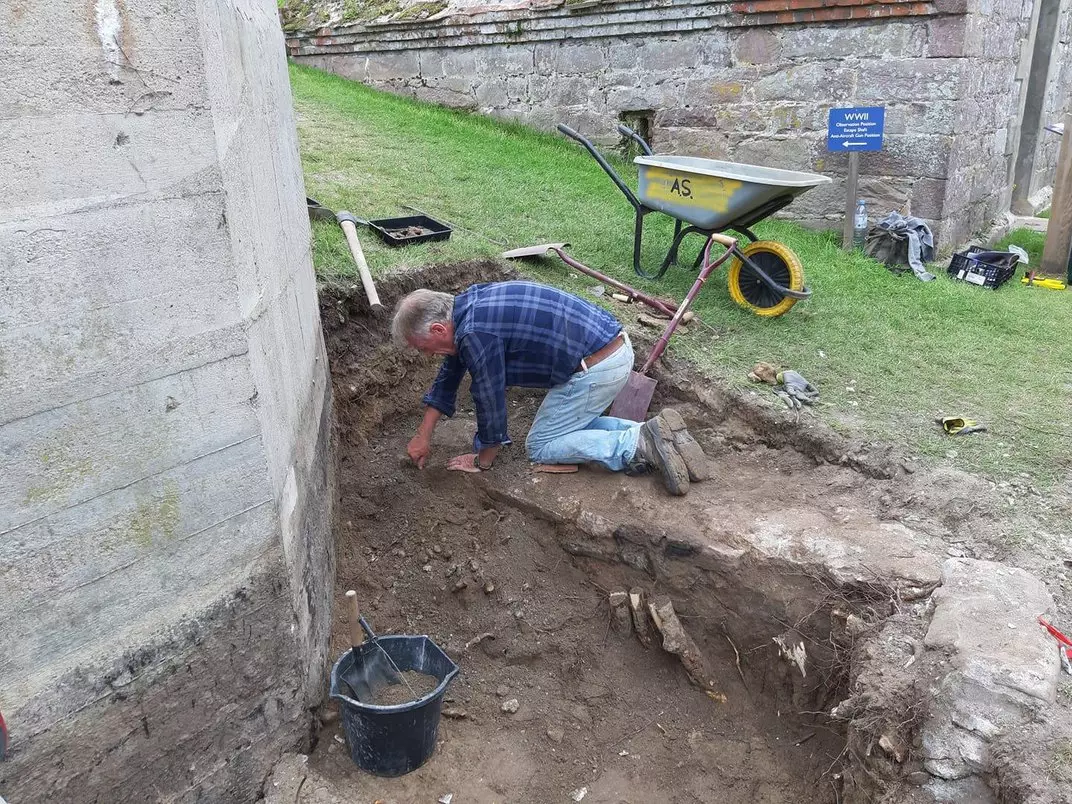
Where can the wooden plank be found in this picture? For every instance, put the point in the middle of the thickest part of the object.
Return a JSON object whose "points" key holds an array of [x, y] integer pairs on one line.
{"points": [[850, 200], [1055, 260]]}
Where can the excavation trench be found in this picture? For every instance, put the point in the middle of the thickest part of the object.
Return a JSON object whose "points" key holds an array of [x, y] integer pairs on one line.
{"points": [[772, 567]]}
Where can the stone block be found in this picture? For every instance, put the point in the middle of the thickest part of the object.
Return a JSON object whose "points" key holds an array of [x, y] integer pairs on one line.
{"points": [[624, 55], [579, 60], [457, 61], [687, 117], [462, 83], [929, 197], [696, 142], [820, 82], [671, 56], [909, 80], [885, 193], [393, 66], [947, 37], [933, 117], [633, 99], [491, 93], [714, 48], [757, 46], [792, 153], [540, 88], [873, 40], [432, 63], [448, 97], [665, 94], [572, 91], [509, 60], [912, 155], [517, 89]]}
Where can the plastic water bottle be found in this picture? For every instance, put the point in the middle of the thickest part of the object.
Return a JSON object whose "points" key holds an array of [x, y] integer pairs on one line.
{"points": [[859, 224]]}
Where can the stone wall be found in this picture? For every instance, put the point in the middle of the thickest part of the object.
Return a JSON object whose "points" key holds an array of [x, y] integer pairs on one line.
{"points": [[166, 558], [745, 81]]}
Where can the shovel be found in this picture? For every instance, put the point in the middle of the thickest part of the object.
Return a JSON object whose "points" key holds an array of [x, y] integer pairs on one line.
{"points": [[375, 673], [349, 228], [633, 400]]}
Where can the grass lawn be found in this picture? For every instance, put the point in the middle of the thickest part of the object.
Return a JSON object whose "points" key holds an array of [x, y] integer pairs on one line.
{"points": [[889, 353]]}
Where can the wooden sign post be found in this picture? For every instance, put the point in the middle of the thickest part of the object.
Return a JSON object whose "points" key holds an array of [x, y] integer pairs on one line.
{"points": [[1056, 254]]}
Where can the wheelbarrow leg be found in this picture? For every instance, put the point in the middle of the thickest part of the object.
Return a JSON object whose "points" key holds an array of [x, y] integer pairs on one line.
{"points": [[638, 235]]}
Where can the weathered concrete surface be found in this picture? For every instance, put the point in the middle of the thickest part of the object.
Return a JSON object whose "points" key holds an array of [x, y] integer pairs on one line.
{"points": [[165, 516], [748, 83]]}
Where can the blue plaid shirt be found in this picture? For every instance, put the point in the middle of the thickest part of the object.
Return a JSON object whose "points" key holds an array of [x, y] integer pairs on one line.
{"points": [[515, 334]]}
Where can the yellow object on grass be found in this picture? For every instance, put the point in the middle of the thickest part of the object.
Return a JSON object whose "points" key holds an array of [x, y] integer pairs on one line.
{"points": [[1039, 282], [780, 263]]}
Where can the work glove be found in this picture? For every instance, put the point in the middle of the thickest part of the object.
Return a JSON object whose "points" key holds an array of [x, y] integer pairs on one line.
{"points": [[794, 390]]}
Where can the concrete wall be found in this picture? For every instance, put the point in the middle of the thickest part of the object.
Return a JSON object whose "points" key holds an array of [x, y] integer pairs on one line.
{"points": [[745, 81], [166, 556]]}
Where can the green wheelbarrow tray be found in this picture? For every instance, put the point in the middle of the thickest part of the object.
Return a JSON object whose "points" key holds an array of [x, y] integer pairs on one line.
{"points": [[707, 196]]}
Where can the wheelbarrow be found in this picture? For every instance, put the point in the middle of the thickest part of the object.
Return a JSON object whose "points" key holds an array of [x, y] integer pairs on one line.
{"points": [[706, 196]]}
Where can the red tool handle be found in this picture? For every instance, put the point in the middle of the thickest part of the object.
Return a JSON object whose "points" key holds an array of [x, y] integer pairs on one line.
{"points": [[664, 339], [1055, 633], [659, 305]]}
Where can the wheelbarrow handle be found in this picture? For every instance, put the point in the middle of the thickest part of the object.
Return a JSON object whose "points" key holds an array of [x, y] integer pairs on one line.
{"points": [[569, 132], [625, 131]]}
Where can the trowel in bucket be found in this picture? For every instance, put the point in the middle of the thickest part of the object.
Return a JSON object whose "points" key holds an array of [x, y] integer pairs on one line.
{"points": [[633, 400], [378, 669]]}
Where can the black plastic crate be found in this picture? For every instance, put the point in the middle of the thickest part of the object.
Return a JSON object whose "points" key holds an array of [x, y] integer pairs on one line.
{"points": [[987, 269]]}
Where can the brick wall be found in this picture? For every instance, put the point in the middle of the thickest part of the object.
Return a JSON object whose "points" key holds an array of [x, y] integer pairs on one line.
{"points": [[747, 81]]}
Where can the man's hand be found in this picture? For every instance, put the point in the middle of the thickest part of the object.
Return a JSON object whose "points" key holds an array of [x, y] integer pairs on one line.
{"points": [[464, 463], [419, 448]]}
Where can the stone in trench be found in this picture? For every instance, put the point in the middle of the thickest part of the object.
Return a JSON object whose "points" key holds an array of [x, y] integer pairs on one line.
{"points": [[555, 734], [677, 641], [511, 706], [640, 616], [621, 616]]}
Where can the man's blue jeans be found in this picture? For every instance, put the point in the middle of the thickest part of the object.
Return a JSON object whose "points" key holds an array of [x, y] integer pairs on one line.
{"points": [[568, 427]]}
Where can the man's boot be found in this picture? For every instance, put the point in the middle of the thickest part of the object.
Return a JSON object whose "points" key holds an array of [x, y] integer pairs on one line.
{"points": [[655, 448], [687, 446]]}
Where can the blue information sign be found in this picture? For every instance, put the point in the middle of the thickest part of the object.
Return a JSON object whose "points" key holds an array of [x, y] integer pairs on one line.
{"points": [[856, 129]]}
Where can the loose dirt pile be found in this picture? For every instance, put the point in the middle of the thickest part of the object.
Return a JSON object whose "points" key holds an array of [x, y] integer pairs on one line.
{"points": [[412, 686]]}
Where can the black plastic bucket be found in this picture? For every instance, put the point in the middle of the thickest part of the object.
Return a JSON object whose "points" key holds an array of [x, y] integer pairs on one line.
{"points": [[391, 740]]}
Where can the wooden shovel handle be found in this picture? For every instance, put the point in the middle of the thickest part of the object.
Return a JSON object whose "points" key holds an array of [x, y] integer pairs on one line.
{"points": [[726, 240], [357, 635]]}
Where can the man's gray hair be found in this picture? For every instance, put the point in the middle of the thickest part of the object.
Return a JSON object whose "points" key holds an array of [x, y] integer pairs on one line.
{"points": [[416, 313]]}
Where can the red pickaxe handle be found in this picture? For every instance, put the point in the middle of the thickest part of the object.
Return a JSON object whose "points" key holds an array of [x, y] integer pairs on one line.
{"points": [[1055, 633]]}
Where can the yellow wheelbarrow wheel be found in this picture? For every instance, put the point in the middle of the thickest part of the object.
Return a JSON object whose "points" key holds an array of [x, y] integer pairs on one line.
{"points": [[780, 264]]}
